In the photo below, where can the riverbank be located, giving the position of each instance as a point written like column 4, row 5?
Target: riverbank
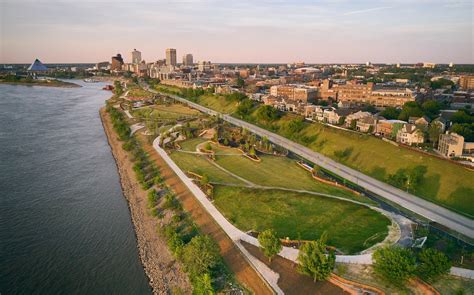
column 43, row 83
column 164, row 273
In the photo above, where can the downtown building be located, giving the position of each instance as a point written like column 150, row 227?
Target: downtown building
column 171, row 57
column 294, row 92
column 188, row 60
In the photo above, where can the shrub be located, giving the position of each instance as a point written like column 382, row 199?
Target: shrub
column 432, row 264
column 395, row 264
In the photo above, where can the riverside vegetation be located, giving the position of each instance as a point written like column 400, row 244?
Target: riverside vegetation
column 198, row 253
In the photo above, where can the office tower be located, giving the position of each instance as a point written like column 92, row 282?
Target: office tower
column 171, row 57
column 136, row 56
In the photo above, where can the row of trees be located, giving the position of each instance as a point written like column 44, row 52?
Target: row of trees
column 394, row 264
column 314, row 259
column 198, row 253
column 397, row 265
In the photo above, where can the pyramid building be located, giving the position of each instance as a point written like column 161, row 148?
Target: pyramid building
column 37, row 66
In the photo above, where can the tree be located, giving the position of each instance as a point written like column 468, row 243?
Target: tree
column 244, row 108
column 390, row 113
column 434, row 131
column 270, row 244
column 353, row 124
column 432, row 264
column 313, row 260
column 240, row 82
column 431, row 108
column 267, row 113
column 200, row 255
column 208, row 146
column 370, row 108
column 462, row 116
column 395, row 264
column 203, row 285
column 466, row 130
column 410, row 109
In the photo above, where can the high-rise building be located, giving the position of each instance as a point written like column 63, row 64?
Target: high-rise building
column 117, row 62
column 136, row 56
column 466, row 82
column 171, row 57
column 188, row 60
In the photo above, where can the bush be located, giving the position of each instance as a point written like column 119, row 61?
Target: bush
column 394, row 264
column 432, row 264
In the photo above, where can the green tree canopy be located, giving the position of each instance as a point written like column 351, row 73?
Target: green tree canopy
column 410, row 109
column 203, row 285
column 200, row 255
column 465, row 129
column 395, row 264
column 390, row 113
column 313, row 260
column 267, row 113
column 432, row 264
column 431, row 108
column 270, row 244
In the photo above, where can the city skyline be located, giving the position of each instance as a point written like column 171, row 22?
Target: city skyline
column 244, row 32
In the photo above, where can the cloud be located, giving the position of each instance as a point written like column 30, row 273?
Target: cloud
column 366, row 10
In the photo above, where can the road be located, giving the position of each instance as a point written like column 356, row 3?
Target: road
column 431, row 211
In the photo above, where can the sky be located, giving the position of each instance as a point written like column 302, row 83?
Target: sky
column 243, row 31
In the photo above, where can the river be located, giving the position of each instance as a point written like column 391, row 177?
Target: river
column 65, row 226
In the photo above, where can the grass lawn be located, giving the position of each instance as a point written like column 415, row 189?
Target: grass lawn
column 163, row 112
column 198, row 164
column 445, row 183
column 350, row 227
column 219, row 104
column 281, row 172
column 190, row 144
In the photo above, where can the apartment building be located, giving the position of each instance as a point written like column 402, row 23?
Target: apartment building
column 466, row 82
column 453, row 145
column 294, row 92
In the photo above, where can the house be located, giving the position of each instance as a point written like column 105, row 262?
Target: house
column 335, row 116
column 367, row 124
column 453, row 145
column 389, row 128
column 410, row 134
column 441, row 122
column 420, row 121
column 356, row 116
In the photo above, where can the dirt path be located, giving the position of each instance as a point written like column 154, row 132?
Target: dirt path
column 292, row 282
column 244, row 273
column 164, row 273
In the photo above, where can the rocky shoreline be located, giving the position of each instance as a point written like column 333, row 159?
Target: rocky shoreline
column 164, row 272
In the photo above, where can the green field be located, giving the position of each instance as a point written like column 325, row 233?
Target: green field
column 444, row 183
column 198, row 164
column 219, row 104
column 281, row 172
column 351, row 228
column 168, row 112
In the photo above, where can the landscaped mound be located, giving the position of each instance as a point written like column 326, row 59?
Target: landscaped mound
column 351, row 227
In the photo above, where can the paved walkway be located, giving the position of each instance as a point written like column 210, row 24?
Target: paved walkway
column 135, row 127
column 411, row 202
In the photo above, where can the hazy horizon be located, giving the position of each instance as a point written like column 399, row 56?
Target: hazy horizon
column 339, row 31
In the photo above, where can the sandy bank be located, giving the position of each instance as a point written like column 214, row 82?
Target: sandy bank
column 164, row 273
